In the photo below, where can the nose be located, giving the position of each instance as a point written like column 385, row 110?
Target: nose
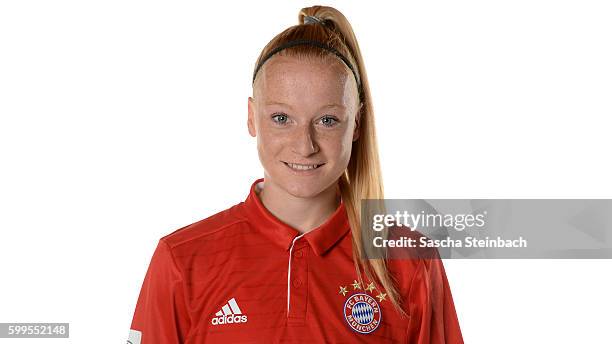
column 304, row 142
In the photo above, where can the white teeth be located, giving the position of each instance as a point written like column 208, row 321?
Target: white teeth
column 302, row 167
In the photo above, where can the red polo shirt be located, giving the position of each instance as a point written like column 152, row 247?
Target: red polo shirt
column 243, row 276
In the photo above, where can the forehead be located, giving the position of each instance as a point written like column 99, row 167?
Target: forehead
column 307, row 80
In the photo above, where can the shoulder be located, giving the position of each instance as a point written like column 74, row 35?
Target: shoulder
column 214, row 226
column 410, row 264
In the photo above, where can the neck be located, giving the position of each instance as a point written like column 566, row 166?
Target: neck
column 303, row 214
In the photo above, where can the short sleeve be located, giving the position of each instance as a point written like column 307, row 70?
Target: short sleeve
column 433, row 319
column 161, row 315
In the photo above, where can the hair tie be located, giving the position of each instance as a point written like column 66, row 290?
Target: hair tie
column 313, row 20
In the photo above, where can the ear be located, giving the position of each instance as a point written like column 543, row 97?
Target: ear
column 251, row 117
column 357, row 123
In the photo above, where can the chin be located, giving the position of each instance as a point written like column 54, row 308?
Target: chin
column 303, row 189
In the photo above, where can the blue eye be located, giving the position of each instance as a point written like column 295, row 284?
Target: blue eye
column 329, row 121
column 280, row 118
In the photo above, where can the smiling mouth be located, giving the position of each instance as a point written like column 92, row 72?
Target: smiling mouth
column 303, row 167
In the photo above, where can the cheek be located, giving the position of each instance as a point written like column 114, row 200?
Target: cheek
column 269, row 144
column 345, row 151
column 338, row 147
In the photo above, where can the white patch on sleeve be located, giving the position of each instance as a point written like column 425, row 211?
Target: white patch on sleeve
column 134, row 337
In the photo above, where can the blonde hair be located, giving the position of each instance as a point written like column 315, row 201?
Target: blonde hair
column 362, row 178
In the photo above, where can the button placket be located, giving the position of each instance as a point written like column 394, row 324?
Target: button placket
column 298, row 292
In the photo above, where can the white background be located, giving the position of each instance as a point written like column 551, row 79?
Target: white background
column 122, row 121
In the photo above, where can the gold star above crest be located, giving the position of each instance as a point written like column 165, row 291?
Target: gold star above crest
column 382, row 296
column 356, row 285
column 343, row 291
column 370, row 287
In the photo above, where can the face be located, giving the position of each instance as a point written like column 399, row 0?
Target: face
column 304, row 114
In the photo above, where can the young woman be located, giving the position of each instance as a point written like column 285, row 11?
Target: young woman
column 284, row 265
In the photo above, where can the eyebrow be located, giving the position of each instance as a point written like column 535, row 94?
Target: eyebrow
column 289, row 106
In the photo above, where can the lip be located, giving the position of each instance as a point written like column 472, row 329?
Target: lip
column 304, row 172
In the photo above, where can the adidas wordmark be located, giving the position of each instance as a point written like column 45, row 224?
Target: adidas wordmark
column 230, row 313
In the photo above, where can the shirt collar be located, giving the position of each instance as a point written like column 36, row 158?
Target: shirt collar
column 321, row 239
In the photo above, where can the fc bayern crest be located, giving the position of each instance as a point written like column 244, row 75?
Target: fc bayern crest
column 362, row 313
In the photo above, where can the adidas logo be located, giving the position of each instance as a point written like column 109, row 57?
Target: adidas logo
column 230, row 313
